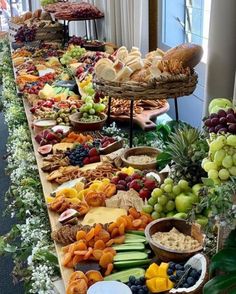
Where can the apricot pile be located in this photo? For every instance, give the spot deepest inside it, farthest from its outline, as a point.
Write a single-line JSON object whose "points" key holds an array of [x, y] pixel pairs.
{"points": [[80, 282]]}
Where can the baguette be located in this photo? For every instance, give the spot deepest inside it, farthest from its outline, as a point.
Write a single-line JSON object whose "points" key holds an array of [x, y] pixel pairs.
{"points": [[189, 54]]}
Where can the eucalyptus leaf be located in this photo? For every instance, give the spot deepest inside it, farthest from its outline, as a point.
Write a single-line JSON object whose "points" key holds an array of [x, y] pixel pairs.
{"points": [[220, 284], [224, 260], [9, 248], [46, 255]]}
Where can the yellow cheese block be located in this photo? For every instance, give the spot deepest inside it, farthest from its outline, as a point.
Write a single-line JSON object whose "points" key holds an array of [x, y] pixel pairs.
{"points": [[102, 215]]}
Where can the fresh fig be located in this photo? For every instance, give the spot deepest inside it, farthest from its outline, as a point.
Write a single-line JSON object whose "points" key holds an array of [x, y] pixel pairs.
{"points": [[68, 215], [45, 150]]}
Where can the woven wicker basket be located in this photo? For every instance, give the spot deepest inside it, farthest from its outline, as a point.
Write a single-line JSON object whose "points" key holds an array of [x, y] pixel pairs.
{"points": [[162, 88]]}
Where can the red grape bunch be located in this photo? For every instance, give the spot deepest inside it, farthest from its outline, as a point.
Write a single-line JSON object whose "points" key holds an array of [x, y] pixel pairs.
{"points": [[224, 121]]}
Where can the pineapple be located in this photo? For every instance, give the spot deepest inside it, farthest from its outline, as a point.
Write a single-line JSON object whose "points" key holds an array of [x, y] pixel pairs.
{"points": [[187, 149]]}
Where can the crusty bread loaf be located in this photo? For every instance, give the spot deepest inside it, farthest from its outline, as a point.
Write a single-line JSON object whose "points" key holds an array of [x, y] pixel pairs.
{"points": [[189, 54], [27, 15], [37, 13]]}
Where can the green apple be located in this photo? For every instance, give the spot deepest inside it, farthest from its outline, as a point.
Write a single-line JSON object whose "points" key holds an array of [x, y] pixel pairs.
{"points": [[201, 220], [219, 102], [184, 201], [157, 192], [196, 188], [183, 184], [181, 215]]}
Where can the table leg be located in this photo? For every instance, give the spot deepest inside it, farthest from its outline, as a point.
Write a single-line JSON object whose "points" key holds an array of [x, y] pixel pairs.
{"points": [[131, 124], [109, 111], [86, 31], [176, 109], [96, 30]]}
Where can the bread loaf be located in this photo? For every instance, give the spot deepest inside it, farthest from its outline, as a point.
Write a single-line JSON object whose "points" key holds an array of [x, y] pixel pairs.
{"points": [[189, 54], [27, 15], [37, 13]]}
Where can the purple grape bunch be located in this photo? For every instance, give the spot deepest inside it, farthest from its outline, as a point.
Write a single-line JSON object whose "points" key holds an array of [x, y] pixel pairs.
{"points": [[26, 34], [224, 121]]}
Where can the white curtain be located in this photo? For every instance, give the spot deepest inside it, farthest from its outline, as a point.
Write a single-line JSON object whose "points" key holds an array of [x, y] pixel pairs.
{"points": [[123, 23], [221, 66]]}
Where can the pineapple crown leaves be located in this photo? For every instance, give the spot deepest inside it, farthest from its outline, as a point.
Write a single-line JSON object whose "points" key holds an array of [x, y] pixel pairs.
{"points": [[186, 146]]}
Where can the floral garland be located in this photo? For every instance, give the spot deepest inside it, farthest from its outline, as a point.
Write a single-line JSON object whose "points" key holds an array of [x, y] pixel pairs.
{"points": [[29, 241]]}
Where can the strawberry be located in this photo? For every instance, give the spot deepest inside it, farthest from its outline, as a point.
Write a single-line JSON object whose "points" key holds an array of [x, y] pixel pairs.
{"points": [[51, 136], [86, 160], [115, 180], [136, 176], [122, 176], [136, 185], [93, 152], [150, 184], [94, 159], [144, 193]]}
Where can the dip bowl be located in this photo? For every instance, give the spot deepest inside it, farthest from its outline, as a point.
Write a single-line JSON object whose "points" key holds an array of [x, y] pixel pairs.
{"points": [[165, 225]]}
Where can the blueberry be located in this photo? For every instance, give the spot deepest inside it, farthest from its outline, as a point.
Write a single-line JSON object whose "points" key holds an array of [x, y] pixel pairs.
{"points": [[137, 282], [134, 289], [194, 274], [179, 267], [185, 285], [145, 288], [170, 272], [132, 279], [190, 281], [141, 291], [142, 280], [172, 265], [179, 274], [173, 278], [128, 284], [187, 266]]}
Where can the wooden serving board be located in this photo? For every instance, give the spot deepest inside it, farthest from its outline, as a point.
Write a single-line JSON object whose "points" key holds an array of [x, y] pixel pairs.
{"points": [[144, 119], [47, 189]]}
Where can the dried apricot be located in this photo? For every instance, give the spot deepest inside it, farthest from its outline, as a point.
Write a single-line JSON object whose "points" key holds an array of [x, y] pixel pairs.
{"points": [[80, 245], [67, 258], [109, 269], [111, 250], [99, 244], [80, 235], [105, 259], [80, 252], [97, 229], [103, 235], [137, 222], [134, 212], [129, 222], [78, 286], [91, 243], [93, 277], [76, 259], [119, 240], [112, 226], [90, 235], [110, 242], [89, 253], [115, 232], [77, 275], [65, 248], [97, 253], [121, 220], [122, 229]]}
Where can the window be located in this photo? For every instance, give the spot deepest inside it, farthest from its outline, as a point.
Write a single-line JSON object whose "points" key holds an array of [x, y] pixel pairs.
{"points": [[184, 21]]}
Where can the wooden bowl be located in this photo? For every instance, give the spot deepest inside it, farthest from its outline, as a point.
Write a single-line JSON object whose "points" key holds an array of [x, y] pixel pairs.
{"points": [[112, 147], [143, 150], [165, 225], [87, 126]]}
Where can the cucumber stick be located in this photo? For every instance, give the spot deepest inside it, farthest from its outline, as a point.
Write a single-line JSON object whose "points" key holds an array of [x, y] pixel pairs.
{"points": [[131, 255], [131, 263], [123, 276], [139, 233], [131, 238], [129, 247]]}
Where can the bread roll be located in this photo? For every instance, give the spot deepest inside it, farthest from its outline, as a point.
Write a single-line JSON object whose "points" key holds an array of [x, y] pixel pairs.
{"points": [[27, 15], [136, 64], [37, 13], [189, 54], [122, 53], [124, 74], [108, 74]]}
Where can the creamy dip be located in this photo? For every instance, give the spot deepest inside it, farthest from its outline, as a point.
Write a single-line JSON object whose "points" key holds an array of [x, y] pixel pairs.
{"points": [[175, 240], [45, 123], [143, 159]]}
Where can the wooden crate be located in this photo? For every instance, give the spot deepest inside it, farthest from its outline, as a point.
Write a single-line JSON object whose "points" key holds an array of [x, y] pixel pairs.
{"points": [[45, 33]]}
